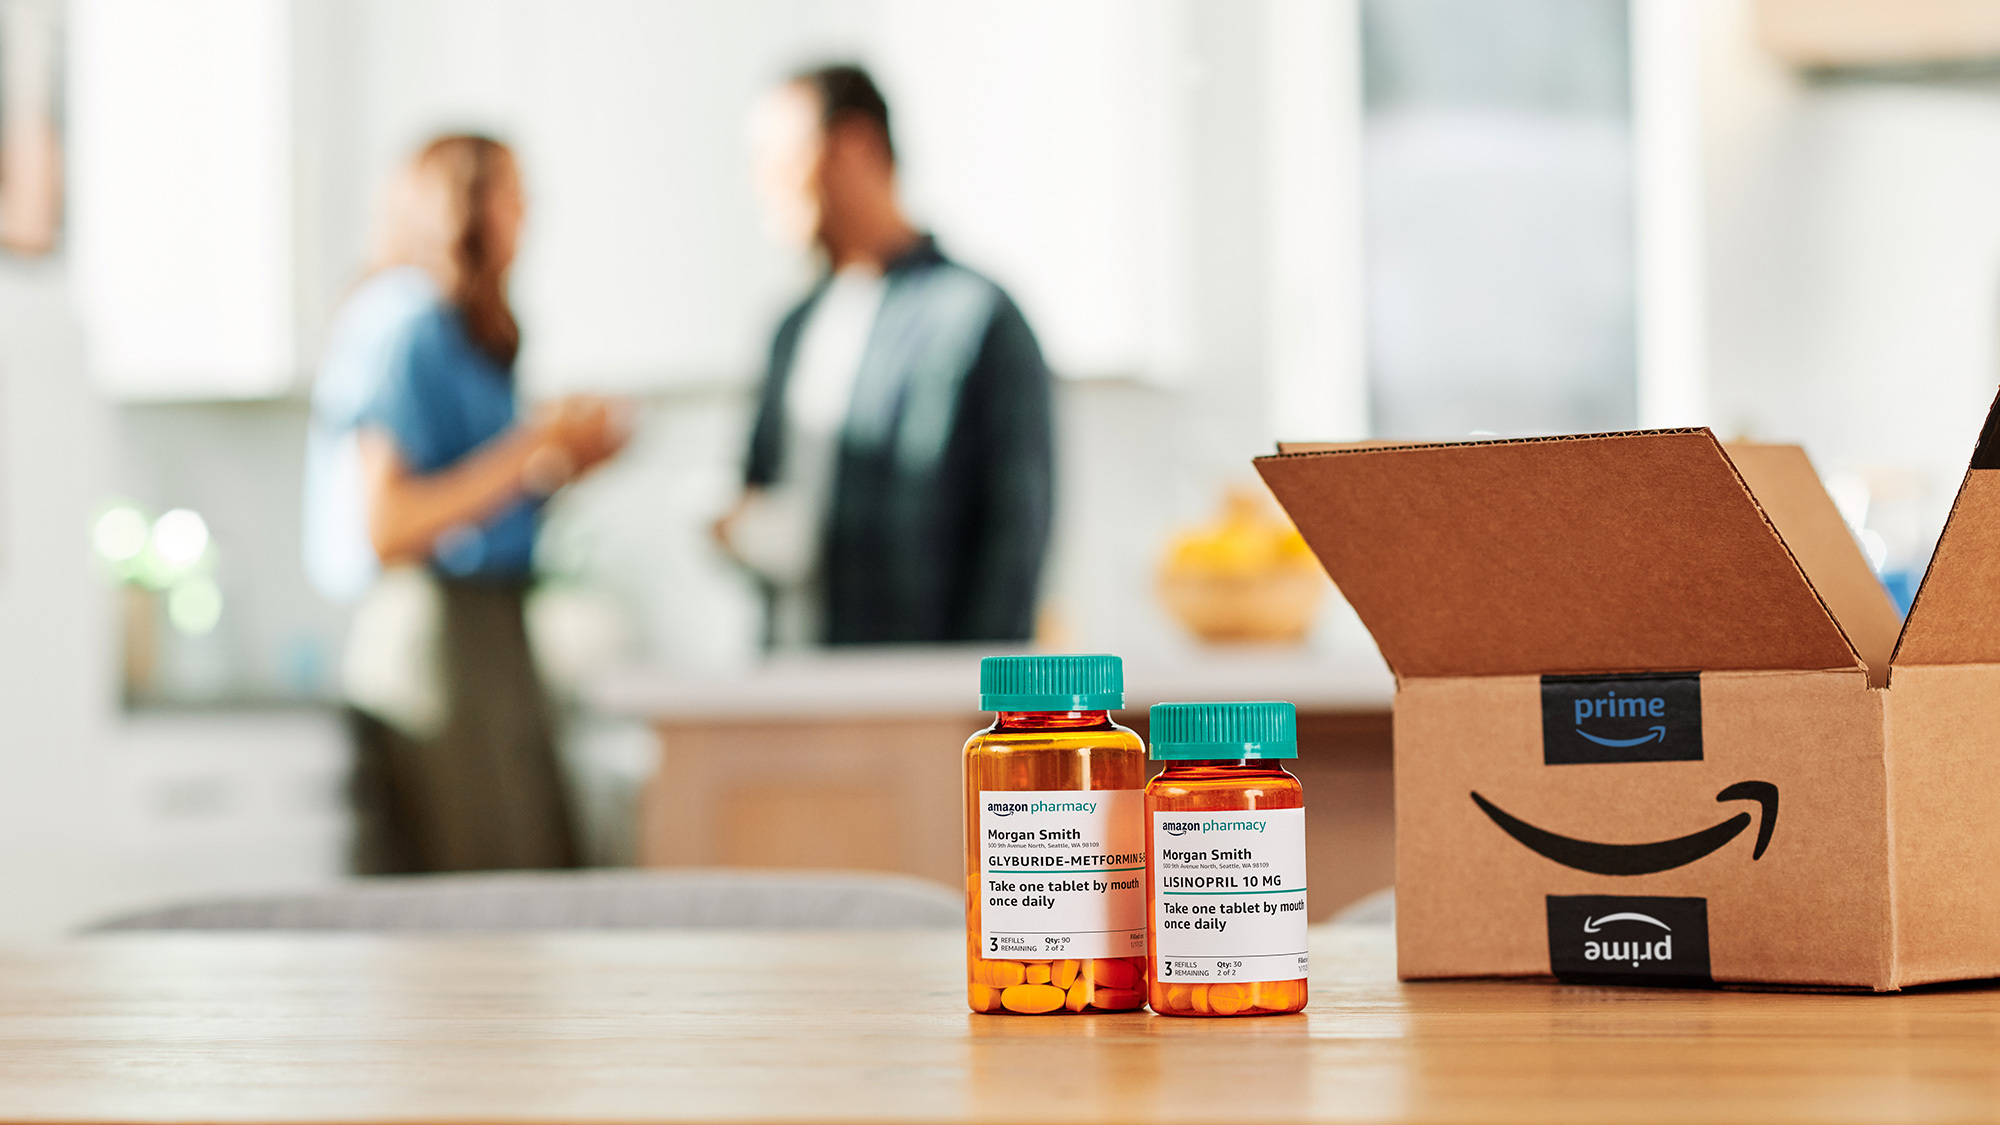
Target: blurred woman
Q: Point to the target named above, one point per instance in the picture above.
(423, 491)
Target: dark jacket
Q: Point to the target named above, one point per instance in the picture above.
(944, 483)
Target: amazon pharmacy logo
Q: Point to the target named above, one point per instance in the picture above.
(1621, 719)
(1628, 939)
(1009, 808)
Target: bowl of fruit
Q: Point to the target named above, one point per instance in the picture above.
(1245, 578)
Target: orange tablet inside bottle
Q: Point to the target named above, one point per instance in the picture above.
(1055, 859)
(1226, 840)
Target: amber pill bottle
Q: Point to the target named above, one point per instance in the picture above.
(1226, 885)
(1055, 856)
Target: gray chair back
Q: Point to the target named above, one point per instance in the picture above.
(579, 900)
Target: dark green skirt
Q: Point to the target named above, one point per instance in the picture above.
(487, 792)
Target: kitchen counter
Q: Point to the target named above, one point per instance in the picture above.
(850, 759)
(945, 680)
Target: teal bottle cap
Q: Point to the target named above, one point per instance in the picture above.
(1079, 682)
(1225, 731)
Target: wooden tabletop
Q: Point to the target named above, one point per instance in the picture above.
(850, 1026)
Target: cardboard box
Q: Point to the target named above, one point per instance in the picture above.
(1655, 718)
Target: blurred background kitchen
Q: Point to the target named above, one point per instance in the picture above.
(1230, 223)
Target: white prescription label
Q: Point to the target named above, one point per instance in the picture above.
(1062, 873)
(1229, 894)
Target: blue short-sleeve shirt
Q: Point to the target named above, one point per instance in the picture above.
(399, 360)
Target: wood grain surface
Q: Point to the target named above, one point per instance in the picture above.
(851, 1026)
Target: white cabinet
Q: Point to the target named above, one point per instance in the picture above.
(1037, 139)
(222, 802)
(1048, 145)
(228, 154)
(181, 203)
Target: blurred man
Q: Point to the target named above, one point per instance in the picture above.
(899, 480)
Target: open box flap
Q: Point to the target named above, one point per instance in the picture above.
(1782, 479)
(1955, 618)
(1595, 553)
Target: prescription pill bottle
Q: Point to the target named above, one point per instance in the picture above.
(1055, 856)
(1226, 886)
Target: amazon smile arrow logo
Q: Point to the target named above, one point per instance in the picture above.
(1645, 859)
(1659, 735)
(1592, 925)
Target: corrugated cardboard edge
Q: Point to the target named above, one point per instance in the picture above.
(1285, 447)
(1319, 448)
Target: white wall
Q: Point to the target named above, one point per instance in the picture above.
(1854, 272)
(1037, 141)
(644, 265)
(1312, 88)
(1041, 141)
(56, 675)
(1047, 143)
(99, 812)
(1667, 158)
